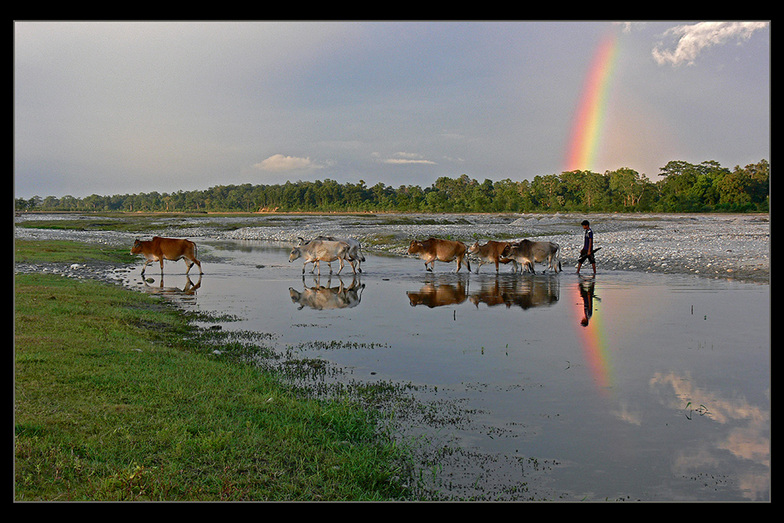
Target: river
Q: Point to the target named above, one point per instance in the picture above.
(626, 386)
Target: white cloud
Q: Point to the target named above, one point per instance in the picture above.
(281, 163)
(407, 161)
(403, 158)
(693, 39)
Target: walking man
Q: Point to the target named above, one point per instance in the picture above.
(587, 251)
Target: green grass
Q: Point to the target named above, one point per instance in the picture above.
(61, 251)
(118, 397)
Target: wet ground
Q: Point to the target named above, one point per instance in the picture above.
(627, 386)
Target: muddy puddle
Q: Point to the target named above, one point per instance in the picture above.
(628, 386)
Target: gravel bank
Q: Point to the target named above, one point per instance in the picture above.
(708, 245)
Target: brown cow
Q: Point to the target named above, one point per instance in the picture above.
(434, 249)
(491, 253)
(172, 249)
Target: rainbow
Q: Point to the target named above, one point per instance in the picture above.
(593, 342)
(587, 126)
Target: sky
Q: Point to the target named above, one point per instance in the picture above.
(130, 107)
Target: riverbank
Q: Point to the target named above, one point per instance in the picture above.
(119, 397)
(735, 246)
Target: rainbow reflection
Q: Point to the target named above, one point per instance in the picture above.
(592, 336)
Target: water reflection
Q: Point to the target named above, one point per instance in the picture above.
(184, 294)
(587, 293)
(321, 297)
(746, 438)
(443, 290)
(525, 292)
(509, 290)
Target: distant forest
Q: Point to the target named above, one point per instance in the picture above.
(681, 187)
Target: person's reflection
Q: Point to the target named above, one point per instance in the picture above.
(588, 295)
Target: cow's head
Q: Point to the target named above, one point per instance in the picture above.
(137, 247)
(295, 253)
(415, 247)
(507, 250)
(474, 248)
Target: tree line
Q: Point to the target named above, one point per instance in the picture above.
(681, 187)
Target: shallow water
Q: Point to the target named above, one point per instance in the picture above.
(626, 386)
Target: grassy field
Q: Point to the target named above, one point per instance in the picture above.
(118, 397)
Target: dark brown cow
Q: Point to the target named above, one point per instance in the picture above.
(434, 249)
(172, 249)
(491, 253)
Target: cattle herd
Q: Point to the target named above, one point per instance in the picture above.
(523, 254)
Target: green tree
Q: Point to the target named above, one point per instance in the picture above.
(628, 185)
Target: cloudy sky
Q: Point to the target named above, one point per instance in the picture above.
(123, 107)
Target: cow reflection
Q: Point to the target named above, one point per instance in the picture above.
(320, 297)
(184, 294)
(522, 292)
(439, 293)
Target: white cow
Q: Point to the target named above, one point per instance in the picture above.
(527, 253)
(354, 249)
(317, 251)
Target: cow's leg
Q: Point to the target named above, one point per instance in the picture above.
(354, 262)
(144, 267)
(341, 265)
(161, 265)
